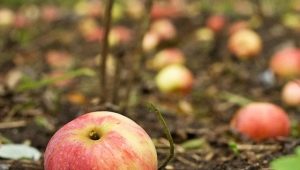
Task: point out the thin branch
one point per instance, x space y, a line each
105 49
137 54
167 133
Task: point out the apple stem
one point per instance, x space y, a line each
167 133
105 49
94 135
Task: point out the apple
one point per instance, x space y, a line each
291 93
59 59
100 141
89 8
167 57
286 63
150 41
159 11
205 34
50 13
137 11
90 30
164 28
236 26
120 35
260 121
175 78
245 44
216 22
21 21
6 17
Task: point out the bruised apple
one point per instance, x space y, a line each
175 78
100 141
291 93
286 63
245 44
260 121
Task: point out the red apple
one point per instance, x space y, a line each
90 30
236 26
150 41
21 21
59 59
120 35
167 57
50 13
216 22
286 63
89 8
245 44
164 28
175 79
100 141
261 121
164 11
291 93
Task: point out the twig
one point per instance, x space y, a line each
105 49
167 133
13 124
138 59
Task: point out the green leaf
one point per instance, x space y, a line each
290 162
193 144
28 83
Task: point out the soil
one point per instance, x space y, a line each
216 72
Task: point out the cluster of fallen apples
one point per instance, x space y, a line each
108 141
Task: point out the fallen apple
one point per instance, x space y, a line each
100 141
174 79
150 41
216 23
167 57
238 25
6 17
120 35
164 28
291 93
260 121
286 63
245 44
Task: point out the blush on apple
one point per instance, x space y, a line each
100 141
286 63
216 23
90 30
167 57
260 121
245 44
291 93
164 11
59 59
175 79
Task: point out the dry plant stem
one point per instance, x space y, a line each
105 49
13 124
138 60
167 133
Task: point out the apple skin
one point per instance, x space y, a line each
260 121
245 44
167 57
286 63
123 145
150 41
291 93
216 22
164 28
175 78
